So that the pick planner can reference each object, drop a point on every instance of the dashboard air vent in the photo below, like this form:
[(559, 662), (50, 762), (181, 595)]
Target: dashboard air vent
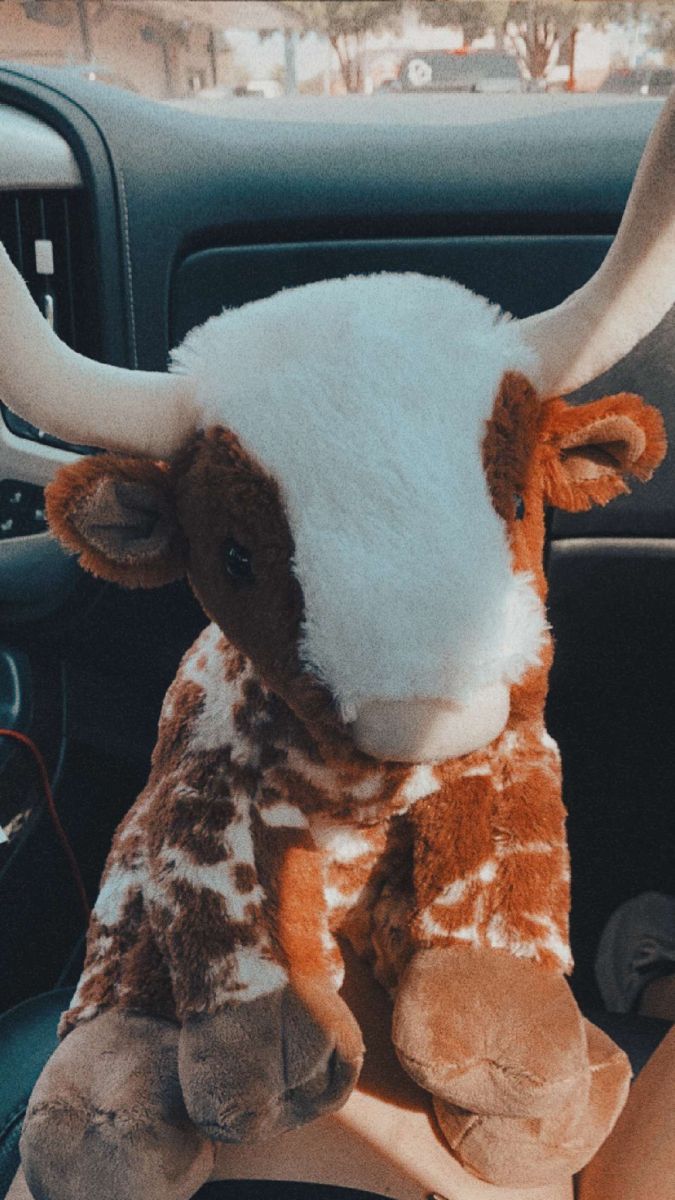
[(48, 236)]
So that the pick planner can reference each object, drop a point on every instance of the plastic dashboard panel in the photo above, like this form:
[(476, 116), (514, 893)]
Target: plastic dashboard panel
[(519, 273)]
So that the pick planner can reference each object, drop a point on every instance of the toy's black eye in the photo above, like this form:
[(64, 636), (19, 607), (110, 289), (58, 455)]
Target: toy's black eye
[(238, 562), (519, 507)]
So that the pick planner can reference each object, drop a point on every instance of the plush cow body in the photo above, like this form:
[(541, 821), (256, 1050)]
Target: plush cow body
[(357, 819), (215, 821)]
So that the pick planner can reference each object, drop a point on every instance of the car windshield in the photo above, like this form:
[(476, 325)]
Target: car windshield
[(217, 56)]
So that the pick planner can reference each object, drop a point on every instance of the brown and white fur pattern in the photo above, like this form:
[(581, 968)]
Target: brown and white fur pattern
[(179, 843)]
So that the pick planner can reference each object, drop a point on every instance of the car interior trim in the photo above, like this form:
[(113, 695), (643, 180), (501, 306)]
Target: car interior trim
[(625, 547), (34, 155)]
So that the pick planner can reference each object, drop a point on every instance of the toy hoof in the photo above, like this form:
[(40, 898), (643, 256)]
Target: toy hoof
[(536, 1151), (490, 1033), (106, 1118), (271, 1064)]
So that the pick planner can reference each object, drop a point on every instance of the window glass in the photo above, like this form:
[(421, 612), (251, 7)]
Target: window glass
[(243, 57)]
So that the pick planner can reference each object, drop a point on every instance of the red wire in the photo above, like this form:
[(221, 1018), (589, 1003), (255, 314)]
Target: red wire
[(56, 820)]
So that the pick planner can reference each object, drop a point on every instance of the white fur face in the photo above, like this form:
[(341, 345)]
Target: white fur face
[(367, 399)]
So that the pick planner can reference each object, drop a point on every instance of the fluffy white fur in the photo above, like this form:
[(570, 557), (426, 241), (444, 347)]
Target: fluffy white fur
[(367, 399)]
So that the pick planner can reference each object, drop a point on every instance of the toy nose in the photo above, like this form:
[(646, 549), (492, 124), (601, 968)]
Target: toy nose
[(430, 730)]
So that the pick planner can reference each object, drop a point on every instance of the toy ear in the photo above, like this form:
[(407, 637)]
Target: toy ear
[(119, 515), (591, 448)]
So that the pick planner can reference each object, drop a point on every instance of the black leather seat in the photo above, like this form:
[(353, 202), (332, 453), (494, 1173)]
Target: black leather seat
[(28, 1037)]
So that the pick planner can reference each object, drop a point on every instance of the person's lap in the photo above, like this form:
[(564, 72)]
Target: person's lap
[(637, 1162)]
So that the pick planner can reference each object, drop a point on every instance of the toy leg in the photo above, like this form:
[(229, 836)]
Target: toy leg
[(287, 1053), (485, 1031), (534, 1151), (107, 1120), (500, 1038), (264, 1066)]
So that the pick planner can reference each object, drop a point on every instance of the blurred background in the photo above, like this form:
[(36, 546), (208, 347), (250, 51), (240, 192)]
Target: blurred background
[(205, 53)]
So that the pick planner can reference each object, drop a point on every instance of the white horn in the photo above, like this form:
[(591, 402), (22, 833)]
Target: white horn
[(78, 399), (630, 293)]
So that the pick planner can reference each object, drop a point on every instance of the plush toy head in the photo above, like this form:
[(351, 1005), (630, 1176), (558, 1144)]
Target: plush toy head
[(364, 515)]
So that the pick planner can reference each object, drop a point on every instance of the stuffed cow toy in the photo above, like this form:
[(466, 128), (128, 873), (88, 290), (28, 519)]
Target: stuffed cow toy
[(353, 476)]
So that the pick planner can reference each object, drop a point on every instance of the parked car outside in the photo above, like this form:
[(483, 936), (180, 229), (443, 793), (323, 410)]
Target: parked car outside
[(644, 81), (459, 71), (660, 82)]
